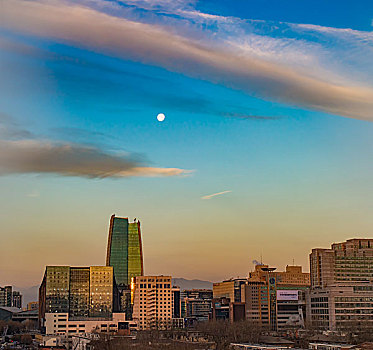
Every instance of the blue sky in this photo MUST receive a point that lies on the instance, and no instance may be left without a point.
(269, 102)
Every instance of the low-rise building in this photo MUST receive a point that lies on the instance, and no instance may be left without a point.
(62, 324)
(326, 346)
(7, 312)
(33, 305)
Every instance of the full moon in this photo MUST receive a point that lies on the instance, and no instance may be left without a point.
(161, 117)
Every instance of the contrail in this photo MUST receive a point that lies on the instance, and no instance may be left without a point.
(215, 194)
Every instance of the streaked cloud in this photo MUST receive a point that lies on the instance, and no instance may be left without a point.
(219, 61)
(22, 152)
(215, 194)
(44, 157)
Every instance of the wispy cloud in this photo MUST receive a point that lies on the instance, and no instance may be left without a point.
(233, 63)
(215, 194)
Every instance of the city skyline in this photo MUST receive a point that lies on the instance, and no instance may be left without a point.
(249, 272)
(264, 151)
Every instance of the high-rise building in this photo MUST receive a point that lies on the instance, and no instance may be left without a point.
(6, 296)
(153, 302)
(80, 292)
(17, 299)
(346, 262)
(196, 305)
(227, 300)
(229, 289)
(124, 250)
(176, 312)
(341, 295)
(276, 299)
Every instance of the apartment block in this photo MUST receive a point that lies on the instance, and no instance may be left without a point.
(152, 302)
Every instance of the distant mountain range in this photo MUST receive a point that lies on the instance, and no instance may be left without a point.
(32, 293)
(191, 284)
(28, 294)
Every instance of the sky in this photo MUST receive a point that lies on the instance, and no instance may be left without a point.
(265, 151)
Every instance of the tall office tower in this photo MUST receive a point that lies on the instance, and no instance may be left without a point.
(341, 295)
(17, 299)
(6, 296)
(78, 291)
(153, 302)
(124, 250)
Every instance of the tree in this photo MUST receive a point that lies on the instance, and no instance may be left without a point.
(222, 333)
(26, 339)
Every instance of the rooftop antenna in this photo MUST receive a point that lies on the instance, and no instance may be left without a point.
(293, 262)
(261, 258)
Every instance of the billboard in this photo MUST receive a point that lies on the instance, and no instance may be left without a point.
(287, 295)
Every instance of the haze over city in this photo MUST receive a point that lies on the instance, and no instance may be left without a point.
(264, 150)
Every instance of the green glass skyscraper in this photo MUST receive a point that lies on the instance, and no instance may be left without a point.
(124, 250)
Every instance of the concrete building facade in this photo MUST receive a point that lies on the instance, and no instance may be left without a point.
(6, 296)
(152, 302)
(276, 300)
(63, 324)
(341, 295)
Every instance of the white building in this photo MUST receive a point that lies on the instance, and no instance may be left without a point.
(60, 324)
(153, 302)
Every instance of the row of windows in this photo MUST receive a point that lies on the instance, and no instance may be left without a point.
(154, 280)
(321, 299)
(353, 317)
(364, 311)
(320, 305)
(354, 258)
(319, 311)
(352, 299)
(157, 285)
(320, 317)
(363, 288)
